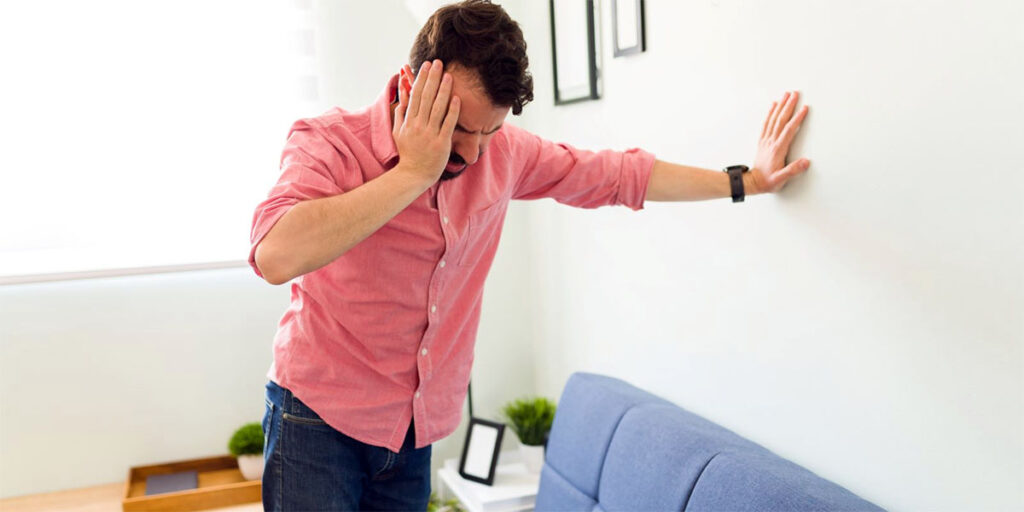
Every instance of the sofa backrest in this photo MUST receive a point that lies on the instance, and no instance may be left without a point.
(616, 447)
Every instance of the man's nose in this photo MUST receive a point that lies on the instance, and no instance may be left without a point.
(468, 147)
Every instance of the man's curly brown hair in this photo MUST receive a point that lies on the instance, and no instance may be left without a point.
(479, 36)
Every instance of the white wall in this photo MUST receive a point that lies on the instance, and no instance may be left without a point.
(99, 375)
(866, 322)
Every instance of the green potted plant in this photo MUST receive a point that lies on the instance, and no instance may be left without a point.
(531, 419)
(247, 445)
(449, 505)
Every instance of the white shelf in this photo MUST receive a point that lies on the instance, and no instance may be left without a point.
(514, 489)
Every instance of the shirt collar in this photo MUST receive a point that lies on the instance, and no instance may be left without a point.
(381, 123)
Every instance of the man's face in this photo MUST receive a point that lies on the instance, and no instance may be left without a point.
(479, 120)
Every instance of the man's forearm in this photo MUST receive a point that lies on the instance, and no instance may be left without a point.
(672, 182)
(315, 232)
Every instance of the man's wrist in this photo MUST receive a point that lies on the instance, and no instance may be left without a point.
(750, 184)
(416, 177)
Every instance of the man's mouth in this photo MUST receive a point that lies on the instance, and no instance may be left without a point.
(454, 167)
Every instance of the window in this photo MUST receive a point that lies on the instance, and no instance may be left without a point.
(143, 134)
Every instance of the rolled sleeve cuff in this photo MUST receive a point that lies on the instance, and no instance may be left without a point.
(264, 221)
(637, 166)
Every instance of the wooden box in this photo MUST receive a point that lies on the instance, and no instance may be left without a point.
(220, 484)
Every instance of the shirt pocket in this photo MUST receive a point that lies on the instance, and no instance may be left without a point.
(482, 233)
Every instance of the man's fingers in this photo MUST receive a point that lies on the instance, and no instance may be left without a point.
(792, 126)
(437, 113)
(451, 118)
(768, 120)
(430, 90)
(787, 112)
(778, 114)
(417, 87)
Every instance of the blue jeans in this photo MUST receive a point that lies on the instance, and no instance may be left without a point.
(311, 466)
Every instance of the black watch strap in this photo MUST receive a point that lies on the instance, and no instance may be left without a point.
(736, 181)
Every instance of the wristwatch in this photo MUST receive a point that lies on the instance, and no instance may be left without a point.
(736, 181)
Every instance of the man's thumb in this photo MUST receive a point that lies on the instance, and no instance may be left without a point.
(780, 177)
(794, 168)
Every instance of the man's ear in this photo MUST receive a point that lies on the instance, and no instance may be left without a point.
(405, 78)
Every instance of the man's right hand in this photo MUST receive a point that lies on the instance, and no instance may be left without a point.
(424, 122)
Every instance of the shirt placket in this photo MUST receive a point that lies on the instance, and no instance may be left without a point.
(433, 294)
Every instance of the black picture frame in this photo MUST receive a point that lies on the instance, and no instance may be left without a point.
(484, 454)
(632, 10)
(581, 88)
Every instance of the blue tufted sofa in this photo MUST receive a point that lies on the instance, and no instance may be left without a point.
(616, 447)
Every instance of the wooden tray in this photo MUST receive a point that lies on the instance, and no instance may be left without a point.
(220, 485)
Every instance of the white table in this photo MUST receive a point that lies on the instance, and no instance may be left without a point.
(514, 489)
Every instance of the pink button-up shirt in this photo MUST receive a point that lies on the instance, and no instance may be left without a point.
(385, 332)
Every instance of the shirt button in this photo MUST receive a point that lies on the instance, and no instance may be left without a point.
(445, 219)
(443, 263)
(433, 308)
(424, 352)
(417, 394)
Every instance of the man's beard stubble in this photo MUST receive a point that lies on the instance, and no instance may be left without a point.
(457, 160)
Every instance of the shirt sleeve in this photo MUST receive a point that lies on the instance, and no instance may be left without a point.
(578, 177)
(305, 174)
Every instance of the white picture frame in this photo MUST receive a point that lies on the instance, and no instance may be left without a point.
(480, 453)
(628, 27)
(574, 55)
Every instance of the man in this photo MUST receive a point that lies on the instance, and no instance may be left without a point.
(388, 219)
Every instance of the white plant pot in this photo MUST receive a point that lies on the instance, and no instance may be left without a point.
(251, 466)
(533, 457)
